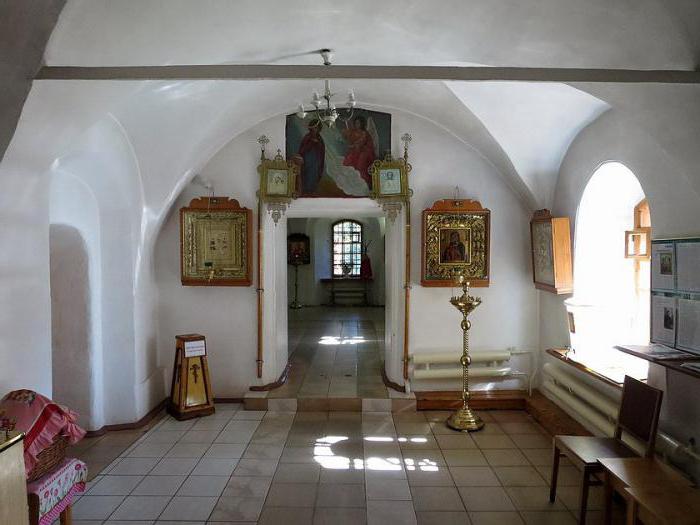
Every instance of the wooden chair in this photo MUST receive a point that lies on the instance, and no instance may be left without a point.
(638, 416)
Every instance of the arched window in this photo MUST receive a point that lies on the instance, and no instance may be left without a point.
(610, 305)
(347, 248)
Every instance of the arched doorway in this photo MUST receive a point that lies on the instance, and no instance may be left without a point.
(71, 360)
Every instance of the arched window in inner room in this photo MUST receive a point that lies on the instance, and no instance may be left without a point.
(347, 248)
(610, 305)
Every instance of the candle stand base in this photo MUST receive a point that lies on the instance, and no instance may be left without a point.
(465, 420)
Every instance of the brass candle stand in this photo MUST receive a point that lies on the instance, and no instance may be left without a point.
(463, 419)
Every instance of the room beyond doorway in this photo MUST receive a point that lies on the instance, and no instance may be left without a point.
(335, 352)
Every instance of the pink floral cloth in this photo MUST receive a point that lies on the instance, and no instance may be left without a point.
(55, 491)
(40, 419)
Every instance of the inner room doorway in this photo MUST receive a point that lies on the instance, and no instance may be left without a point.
(336, 317)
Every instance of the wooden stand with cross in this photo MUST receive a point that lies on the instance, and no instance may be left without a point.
(191, 394)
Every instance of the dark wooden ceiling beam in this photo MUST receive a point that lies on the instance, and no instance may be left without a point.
(299, 72)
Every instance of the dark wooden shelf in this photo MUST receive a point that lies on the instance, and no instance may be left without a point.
(673, 364)
(561, 354)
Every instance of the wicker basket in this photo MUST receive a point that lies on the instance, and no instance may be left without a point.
(49, 458)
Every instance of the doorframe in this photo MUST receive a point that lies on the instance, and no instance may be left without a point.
(274, 252)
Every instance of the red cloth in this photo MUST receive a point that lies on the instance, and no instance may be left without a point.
(360, 154)
(365, 267)
(40, 419)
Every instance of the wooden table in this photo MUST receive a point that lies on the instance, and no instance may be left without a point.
(678, 506)
(638, 473)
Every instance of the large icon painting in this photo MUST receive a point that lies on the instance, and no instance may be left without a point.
(337, 161)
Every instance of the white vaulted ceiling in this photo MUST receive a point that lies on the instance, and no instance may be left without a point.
(174, 127)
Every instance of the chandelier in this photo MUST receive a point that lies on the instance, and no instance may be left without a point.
(324, 109)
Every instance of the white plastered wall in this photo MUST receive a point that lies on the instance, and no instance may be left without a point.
(227, 315)
(644, 141)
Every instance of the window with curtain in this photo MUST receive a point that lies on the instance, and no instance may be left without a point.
(347, 248)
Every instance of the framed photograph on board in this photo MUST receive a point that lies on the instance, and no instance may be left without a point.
(390, 178)
(215, 243)
(455, 242)
(277, 179)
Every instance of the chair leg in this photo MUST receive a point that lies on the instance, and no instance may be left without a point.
(66, 516)
(608, 492)
(555, 475)
(585, 484)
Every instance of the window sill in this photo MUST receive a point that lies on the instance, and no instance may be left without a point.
(612, 375)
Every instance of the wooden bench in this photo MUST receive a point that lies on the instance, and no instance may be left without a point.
(349, 291)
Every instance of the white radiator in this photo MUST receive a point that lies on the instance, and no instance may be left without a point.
(485, 364)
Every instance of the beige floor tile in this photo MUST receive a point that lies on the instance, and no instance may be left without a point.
(298, 454)
(496, 518)
(455, 441)
(477, 499)
(297, 473)
(386, 512)
(174, 467)
(342, 476)
(571, 497)
(255, 467)
(255, 451)
(491, 428)
(133, 466)
(548, 518)
(568, 476)
(163, 436)
(331, 495)
(149, 450)
(531, 440)
(436, 498)
(519, 476)
(188, 450)
(291, 495)
(533, 498)
(464, 458)
(247, 487)
(541, 457)
(203, 486)
(114, 485)
(215, 467)
(430, 477)
(185, 508)
(286, 516)
(339, 516)
(521, 427)
(442, 518)
(506, 457)
(141, 507)
(424, 458)
(159, 486)
(96, 507)
(388, 489)
(200, 436)
(225, 450)
(235, 509)
(488, 441)
(474, 477)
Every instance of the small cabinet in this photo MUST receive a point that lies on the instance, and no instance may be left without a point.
(551, 253)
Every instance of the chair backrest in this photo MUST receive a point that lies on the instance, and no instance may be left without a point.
(639, 412)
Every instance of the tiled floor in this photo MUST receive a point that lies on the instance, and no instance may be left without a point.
(329, 468)
(335, 352)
